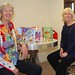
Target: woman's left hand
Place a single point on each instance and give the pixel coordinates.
(64, 54)
(24, 51)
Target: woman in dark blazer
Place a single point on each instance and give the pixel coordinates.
(67, 46)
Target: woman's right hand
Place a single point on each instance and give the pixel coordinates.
(16, 71)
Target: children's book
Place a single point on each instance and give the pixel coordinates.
(19, 30)
(37, 34)
(47, 33)
(28, 34)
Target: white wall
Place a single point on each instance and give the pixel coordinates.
(38, 13)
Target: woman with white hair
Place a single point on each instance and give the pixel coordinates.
(9, 62)
(66, 53)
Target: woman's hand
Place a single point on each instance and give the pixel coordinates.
(62, 53)
(16, 71)
(24, 51)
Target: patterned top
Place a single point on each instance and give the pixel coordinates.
(8, 51)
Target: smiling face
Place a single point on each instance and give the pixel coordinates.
(67, 16)
(6, 13)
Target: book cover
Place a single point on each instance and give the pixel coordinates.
(29, 34)
(47, 33)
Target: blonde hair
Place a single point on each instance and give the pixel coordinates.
(5, 5)
(68, 9)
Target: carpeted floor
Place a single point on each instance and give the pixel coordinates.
(47, 69)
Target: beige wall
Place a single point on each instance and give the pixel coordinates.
(38, 13)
